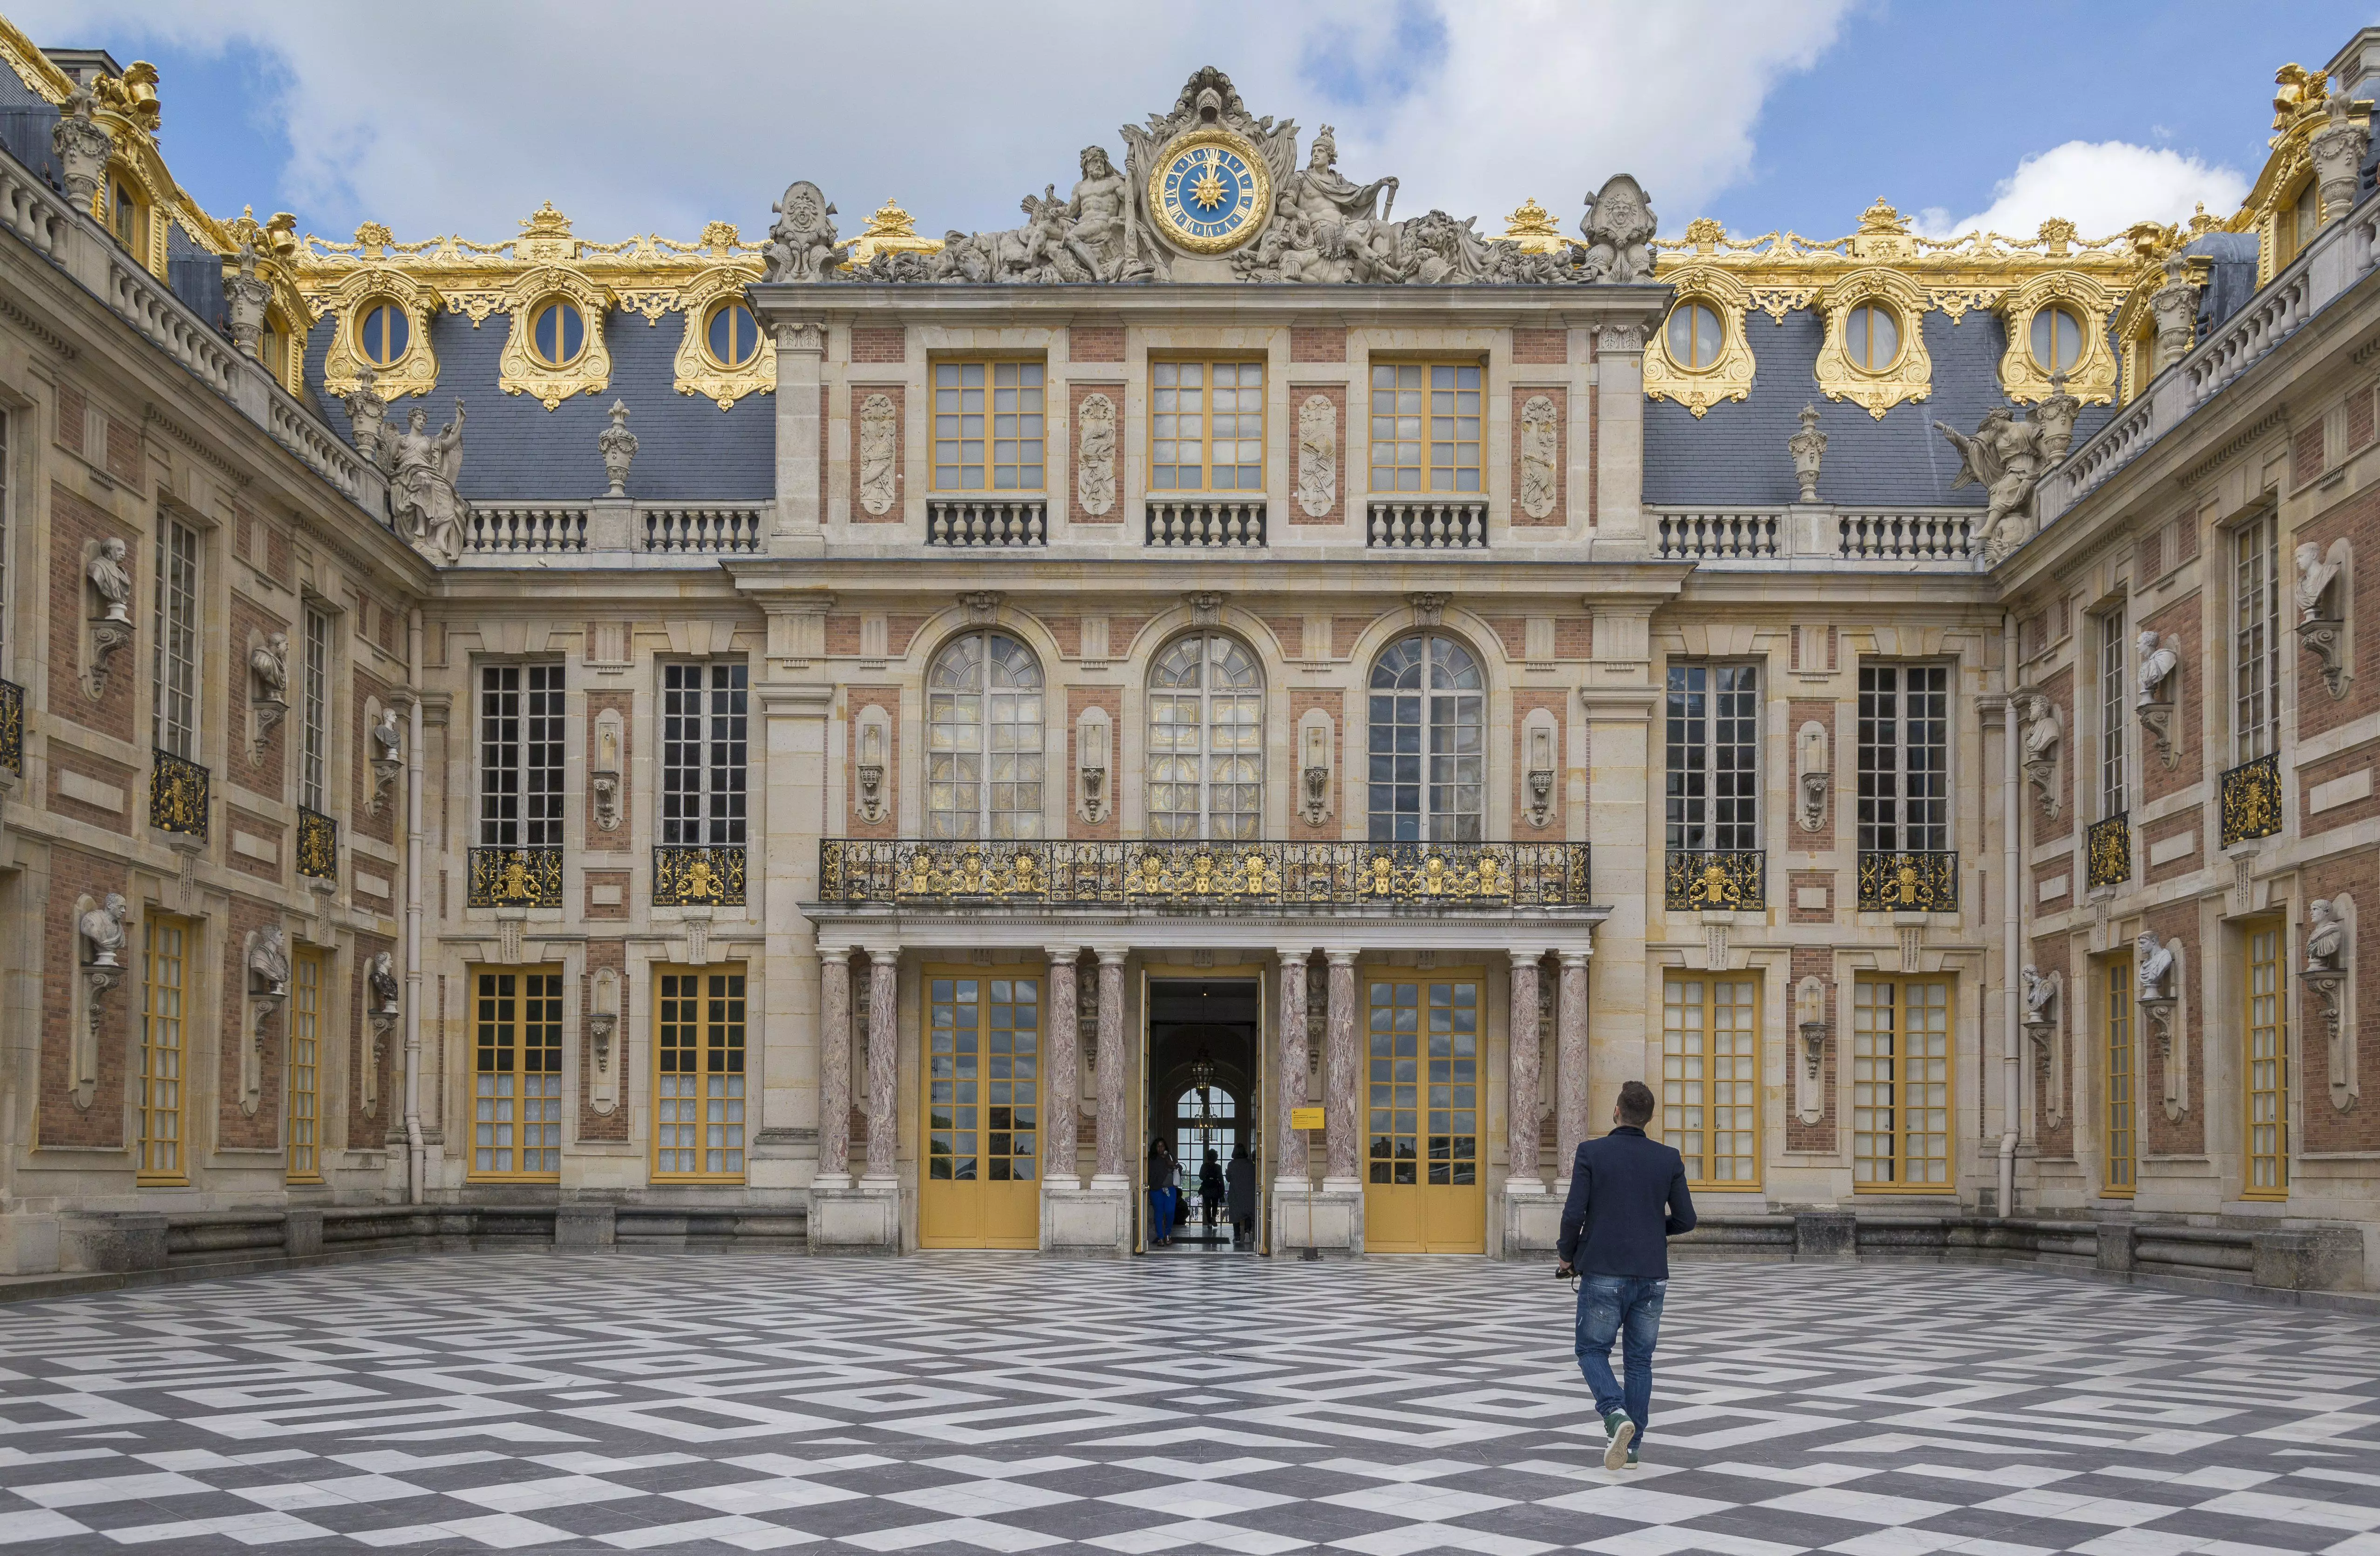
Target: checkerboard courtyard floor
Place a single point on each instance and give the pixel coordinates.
(959, 1403)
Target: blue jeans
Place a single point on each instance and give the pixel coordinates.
(1618, 1306)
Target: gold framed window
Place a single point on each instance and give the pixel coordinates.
(2121, 1153)
(1206, 426)
(164, 989)
(698, 1075)
(2264, 1030)
(1710, 1078)
(516, 1080)
(731, 334)
(2296, 222)
(1900, 1084)
(1425, 427)
(557, 332)
(2055, 338)
(990, 422)
(1695, 336)
(305, 1068)
(1872, 337)
(983, 1078)
(129, 217)
(1423, 1115)
(384, 334)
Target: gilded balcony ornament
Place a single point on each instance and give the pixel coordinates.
(515, 878)
(179, 792)
(1909, 882)
(2107, 852)
(318, 845)
(12, 727)
(2251, 800)
(1714, 881)
(699, 877)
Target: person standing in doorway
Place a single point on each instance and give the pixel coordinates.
(1240, 1187)
(1210, 1189)
(1162, 1172)
(1627, 1199)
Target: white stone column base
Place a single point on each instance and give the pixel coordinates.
(861, 1219)
(1329, 1220)
(1529, 1218)
(1091, 1220)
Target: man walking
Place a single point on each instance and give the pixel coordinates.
(1627, 1198)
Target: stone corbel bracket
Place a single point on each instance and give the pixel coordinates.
(2155, 711)
(1810, 1053)
(2329, 979)
(2323, 621)
(107, 633)
(265, 711)
(1813, 776)
(265, 999)
(602, 1039)
(869, 765)
(1094, 761)
(604, 778)
(381, 1034)
(2162, 1006)
(1316, 740)
(1541, 767)
(385, 770)
(102, 971)
(2044, 1025)
(2042, 727)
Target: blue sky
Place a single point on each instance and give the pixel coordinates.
(1784, 113)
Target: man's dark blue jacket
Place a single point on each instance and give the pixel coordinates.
(1627, 1199)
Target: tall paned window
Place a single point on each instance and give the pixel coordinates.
(1905, 759)
(2122, 1166)
(315, 706)
(177, 641)
(165, 973)
(517, 1114)
(698, 1089)
(2268, 1057)
(1710, 1078)
(1428, 744)
(520, 756)
(703, 754)
(2256, 639)
(1425, 428)
(1714, 751)
(1205, 740)
(2112, 685)
(988, 426)
(1900, 1083)
(983, 1078)
(305, 1073)
(1424, 1049)
(1206, 427)
(984, 739)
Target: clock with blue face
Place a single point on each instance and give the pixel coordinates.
(1210, 193)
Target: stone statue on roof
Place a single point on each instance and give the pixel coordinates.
(2004, 459)
(1328, 198)
(802, 242)
(422, 497)
(1097, 212)
(1619, 227)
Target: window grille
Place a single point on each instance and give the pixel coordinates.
(2256, 659)
(983, 1080)
(2114, 714)
(1713, 757)
(1428, 780)
(989, 426)
(1206, 427)
(520, 756)
(1904, 754)
(305, 1163)
(1205, 740)
(1900, 1083)
(698, 1052)
(703, 754)
(316, 706)
(984, 739)
(1710, 1078)
(165, 968)
(2122, 1082)
(2267, 1031)
(177, 641)
(1424, 427)
(516, 1119)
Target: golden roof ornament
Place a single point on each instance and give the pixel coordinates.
(1882, 217)
(132, 94)
(2297, 89)
(1532, 226)
(1704, 235)
(891, 231)
(545, 235)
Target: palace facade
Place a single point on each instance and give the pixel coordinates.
(846, 742)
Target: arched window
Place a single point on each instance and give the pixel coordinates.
(1694, 336)
(383, 335)
(731, 334)
(983, 732)
(2056, 339)
(1428, 743)
(1872, 337)
(557, 332)
(1205, 740)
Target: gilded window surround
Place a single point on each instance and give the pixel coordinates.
(697, 372)
(2093, 377)
(2134, 323)
(416, 373)
(1911, 376)
(1729, 377)
(2301, 110)
(519, 373)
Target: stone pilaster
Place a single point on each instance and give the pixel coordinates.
(801, 358)
(1115, 1146)
(1290, 1165)
(1341, 1066)
(1520, 1106)
(883, 1064)
(1060, 1069)
(1573, 1122)
(834, 1067)
(1619, 825)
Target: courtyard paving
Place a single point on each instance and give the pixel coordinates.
(955, 1402)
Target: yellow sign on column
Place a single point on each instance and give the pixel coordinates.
(1305, 1118)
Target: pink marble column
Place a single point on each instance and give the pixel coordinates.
(1521, 1150)
(1060, 1072)
(1114, 1148)
(1289, 1145)
(1340, 1065)
(834, 1064)
(1571, 1123)
(883, 1064)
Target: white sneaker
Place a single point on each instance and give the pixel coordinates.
(1622, 1431)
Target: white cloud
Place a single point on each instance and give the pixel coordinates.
(2102, 187)
(633, 117)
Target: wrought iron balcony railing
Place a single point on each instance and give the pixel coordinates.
(12, 727)
(2251, 800)
(2108, 851)
(1716, 880)
(318, 845)
(692, 876)
(1909, 882)
(515, 878)
(178, 794)
(1190, 876)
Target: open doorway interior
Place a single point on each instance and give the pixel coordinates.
(1204, 1106)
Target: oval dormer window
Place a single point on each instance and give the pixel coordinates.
(2056, 339)
(1694, 338)
(1872, 337)
(384, 334)
(731, 335)
(557, 332)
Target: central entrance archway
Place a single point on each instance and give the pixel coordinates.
(1204, 1068)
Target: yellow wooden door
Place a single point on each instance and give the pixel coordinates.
(1421, 1192)
(981, 1186)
